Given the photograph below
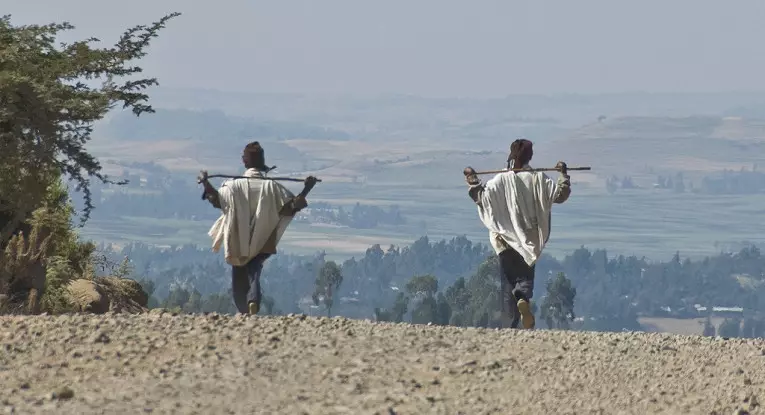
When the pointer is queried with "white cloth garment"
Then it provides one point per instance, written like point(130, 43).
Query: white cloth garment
point(516, 208)
point(250, 217)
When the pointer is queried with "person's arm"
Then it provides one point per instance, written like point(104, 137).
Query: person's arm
point(299, 202)
point(563, 187)
point(210, 193)
point(475, 187)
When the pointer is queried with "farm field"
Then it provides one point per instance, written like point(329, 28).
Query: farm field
point(418, 166)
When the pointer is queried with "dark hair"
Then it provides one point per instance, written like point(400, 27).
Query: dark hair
point(520, 153)
point(254, 156)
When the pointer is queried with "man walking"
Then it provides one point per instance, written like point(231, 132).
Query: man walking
point(516, 208)
point(255, 213)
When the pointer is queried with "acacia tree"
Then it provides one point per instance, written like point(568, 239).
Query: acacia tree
point(50, 96)
point(327, 283)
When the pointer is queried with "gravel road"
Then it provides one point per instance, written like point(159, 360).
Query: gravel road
point(160, 363)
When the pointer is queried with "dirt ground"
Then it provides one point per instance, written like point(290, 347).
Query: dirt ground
point(160, 363)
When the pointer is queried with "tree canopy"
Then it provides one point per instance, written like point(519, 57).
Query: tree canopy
point(50, 96)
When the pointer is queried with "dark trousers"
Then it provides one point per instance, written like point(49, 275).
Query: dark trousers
point(245, 282)
point(516, 283)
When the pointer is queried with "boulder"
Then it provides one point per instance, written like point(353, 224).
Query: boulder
point(87, 296)
point(125, 295)
point(103, 294)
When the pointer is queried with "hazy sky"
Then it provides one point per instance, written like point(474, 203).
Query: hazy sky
point(435, 47)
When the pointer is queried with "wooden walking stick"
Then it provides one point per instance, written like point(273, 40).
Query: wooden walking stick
point(534, 170)
point(284, 179)
point(206, 176)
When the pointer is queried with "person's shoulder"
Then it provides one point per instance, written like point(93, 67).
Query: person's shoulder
point(272, 186)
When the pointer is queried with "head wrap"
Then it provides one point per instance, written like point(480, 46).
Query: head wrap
point(254, 155)
point(520, 153)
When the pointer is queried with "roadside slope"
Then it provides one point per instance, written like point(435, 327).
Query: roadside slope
point(213, 364)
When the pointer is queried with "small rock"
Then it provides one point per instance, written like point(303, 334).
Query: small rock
point(752, 401)
point(101, 337)
point(64, 393)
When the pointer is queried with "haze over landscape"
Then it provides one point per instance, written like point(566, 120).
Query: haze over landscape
point(389, 115)
point(435, 48)
point(387, 102)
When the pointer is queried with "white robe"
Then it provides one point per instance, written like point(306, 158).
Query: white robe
point(516, 208)
point(250, 217)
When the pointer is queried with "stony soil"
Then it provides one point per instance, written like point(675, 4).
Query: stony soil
point(160, 363)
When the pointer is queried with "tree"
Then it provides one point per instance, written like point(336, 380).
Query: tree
point(612, 185)
point(149, 287)
point(730, 328)
point(218, 303)
point(194, 303)
point(48, 106)
point(423, 289)
point(327, 283)
point(443, 310)
point(422, 286)
point(484, 307)
point(176, 299)
point(458, 298)
point(397, 312)
point(269, 306)
point(558, 303)
point(709, 328)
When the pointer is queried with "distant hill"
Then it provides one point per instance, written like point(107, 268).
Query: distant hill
point(630, 144)
point(176, 124)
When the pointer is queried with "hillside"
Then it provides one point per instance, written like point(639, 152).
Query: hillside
point(418, 168)
point(158, 363)
point(701, 144)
